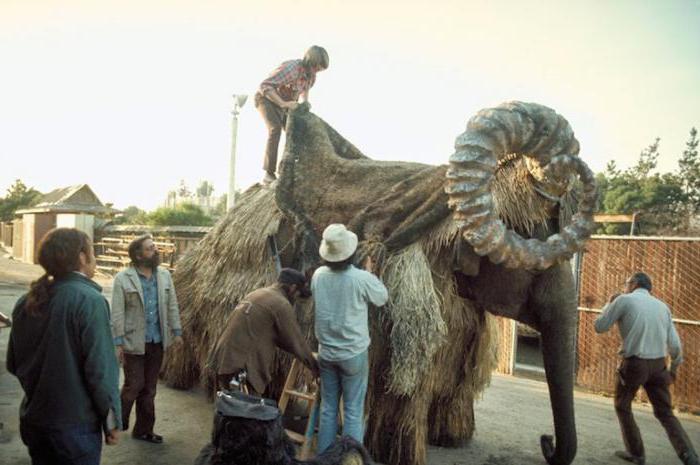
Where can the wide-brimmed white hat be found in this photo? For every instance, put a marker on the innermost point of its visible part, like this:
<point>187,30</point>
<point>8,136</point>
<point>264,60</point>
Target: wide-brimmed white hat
<point>338,243</point>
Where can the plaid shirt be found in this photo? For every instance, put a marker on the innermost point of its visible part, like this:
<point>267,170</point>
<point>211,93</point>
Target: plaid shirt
<point>290,79</point>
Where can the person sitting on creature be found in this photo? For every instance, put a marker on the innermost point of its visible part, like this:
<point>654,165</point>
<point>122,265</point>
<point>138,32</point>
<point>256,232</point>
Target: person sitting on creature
<point>280,92</point>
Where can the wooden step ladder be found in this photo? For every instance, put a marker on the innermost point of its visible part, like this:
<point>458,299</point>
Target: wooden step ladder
<point>308,392</point>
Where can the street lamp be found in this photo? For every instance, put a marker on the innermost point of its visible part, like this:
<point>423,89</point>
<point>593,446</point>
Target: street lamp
<point>238,102</point>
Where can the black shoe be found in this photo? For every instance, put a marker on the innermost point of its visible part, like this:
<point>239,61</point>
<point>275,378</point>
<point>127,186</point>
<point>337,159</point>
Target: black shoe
<point>690,458</point>
<point>149,437</point>
<point>624,455</point>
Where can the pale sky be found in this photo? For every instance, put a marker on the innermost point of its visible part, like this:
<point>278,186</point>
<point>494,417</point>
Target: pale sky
<point>132,96</point>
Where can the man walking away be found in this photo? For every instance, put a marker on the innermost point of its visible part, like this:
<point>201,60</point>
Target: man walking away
<point>61,350</point>
<point>341,296</point>
<point>145,321</point>
<point>648,334</point>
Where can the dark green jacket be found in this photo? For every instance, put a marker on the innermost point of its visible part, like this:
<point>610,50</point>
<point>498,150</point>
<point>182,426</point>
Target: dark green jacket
<point>65,358</point>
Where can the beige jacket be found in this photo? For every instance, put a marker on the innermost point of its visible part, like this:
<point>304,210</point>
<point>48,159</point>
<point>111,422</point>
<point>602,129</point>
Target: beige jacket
<point>128,314</point>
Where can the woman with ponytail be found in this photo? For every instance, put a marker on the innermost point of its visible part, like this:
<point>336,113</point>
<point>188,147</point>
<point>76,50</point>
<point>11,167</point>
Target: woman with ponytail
<point>61,350</point>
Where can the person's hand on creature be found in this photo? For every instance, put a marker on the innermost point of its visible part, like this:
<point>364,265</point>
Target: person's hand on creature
<point>177,340</point>
<point>368,263</point>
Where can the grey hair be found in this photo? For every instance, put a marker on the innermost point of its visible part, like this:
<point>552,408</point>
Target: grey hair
<point>641,280</point>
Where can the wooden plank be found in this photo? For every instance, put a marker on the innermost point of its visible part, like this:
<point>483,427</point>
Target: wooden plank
<point>302,395</point>
<point>296,437</point>
<point>607,218</point>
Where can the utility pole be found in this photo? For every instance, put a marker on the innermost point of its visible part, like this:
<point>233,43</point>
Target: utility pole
<point>238,102</point>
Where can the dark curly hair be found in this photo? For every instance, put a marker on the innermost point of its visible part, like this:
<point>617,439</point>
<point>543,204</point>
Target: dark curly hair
<point>59,254</point>
<point>135,247</point>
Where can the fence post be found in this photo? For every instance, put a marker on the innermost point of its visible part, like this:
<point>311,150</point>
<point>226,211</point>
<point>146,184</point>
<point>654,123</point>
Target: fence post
<point>578,260</point>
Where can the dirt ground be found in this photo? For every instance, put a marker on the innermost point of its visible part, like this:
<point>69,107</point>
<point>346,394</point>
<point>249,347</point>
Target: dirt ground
<point>510,417</point>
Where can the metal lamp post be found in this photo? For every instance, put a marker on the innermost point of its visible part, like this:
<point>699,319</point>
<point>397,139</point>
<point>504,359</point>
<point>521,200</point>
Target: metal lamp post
<point>238,102</point>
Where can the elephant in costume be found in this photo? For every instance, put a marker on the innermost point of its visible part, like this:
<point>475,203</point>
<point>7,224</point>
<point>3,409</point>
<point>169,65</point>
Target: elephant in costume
<point>489,234</point>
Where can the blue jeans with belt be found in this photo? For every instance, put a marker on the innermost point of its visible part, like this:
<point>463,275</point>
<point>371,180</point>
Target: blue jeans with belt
<point>349,379</point>
<point>64,445</point>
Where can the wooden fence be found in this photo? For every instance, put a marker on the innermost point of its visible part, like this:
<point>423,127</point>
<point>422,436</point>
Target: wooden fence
<point>6,234</point>
<point>173,242</point>
<point>674,267</point>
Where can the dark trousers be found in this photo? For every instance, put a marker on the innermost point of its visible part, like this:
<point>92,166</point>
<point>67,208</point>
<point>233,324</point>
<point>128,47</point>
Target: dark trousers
<point>652,375</point>
<point>275,118</point>
<point>65,445</point>
<point>140,381</point>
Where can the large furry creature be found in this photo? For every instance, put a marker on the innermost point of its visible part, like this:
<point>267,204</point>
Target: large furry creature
<point>489,234</point>
<point>249,432</point>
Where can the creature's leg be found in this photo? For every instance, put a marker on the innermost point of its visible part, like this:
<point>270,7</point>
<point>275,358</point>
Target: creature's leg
<point>461,368</point>
<point>451,421</point>
<point>397,430</point>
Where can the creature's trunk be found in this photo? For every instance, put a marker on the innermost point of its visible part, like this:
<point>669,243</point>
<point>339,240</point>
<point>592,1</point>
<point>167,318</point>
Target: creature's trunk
<point>558,352</point>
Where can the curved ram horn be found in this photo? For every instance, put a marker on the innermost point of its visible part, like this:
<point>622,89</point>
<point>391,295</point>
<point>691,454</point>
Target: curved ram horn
<point>523,128</point>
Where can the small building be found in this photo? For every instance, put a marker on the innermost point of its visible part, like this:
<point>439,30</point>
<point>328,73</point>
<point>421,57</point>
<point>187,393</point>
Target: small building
<point>69,207</point>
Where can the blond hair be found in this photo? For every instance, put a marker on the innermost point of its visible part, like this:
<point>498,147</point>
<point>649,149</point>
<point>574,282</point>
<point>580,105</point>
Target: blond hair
<point>316,56</point>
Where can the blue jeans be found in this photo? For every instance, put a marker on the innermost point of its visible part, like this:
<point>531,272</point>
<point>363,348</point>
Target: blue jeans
<point>349,379</point>
<point>66,445</point>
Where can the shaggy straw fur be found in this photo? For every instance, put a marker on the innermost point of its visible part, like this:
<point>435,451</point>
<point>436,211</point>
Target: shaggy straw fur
<point>432,351</point>
<point>231,261</point>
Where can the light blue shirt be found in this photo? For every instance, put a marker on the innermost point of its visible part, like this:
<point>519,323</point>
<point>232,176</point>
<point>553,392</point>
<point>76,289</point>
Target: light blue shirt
<point>150,306</point>
<point>645,325</point>
<point>340,300</point>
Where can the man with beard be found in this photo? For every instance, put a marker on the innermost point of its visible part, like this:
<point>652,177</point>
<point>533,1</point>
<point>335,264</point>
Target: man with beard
<point>145,321</point>
<point>262,321</point>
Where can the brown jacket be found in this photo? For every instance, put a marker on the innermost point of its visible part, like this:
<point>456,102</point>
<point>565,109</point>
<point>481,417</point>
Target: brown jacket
<point>262,321</point>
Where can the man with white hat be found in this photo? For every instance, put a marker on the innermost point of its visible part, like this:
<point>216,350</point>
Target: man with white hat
<point>342,293</point>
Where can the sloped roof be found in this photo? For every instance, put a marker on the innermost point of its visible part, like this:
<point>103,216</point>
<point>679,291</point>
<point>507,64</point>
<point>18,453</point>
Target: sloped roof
<point>72,199</point>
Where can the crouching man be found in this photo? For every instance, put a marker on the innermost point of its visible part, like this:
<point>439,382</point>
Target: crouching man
<point>263,321</point>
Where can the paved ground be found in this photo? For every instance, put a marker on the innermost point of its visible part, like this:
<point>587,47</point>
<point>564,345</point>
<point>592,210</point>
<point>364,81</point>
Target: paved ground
<point>510,417</point>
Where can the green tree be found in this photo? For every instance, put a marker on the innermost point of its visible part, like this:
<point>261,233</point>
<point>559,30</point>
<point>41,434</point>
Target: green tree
<point>220,209</point>
<point>659,198</point>
<point>185,214</point>
<point>131,215</point>
<point>647,162</point>
<point>18,196</point>
<point>689,172</point>
<point>205,189</point>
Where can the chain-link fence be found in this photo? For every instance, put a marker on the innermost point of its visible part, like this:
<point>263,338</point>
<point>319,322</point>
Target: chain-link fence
<point>674,267</point>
